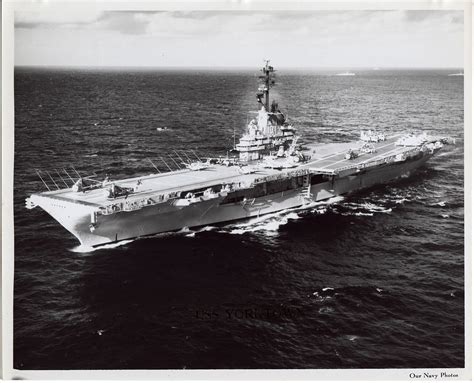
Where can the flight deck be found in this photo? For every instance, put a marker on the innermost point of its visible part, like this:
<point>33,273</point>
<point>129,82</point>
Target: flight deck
<point>324,159</point>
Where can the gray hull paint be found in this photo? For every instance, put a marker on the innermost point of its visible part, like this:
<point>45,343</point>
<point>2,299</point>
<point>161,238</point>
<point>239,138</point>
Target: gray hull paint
<point>166,217</point>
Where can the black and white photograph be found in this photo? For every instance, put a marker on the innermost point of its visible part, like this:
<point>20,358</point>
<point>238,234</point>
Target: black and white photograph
<point>253,187</point>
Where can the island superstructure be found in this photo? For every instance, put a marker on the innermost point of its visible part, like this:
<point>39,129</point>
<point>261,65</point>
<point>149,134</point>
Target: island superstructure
<point>272,172</point>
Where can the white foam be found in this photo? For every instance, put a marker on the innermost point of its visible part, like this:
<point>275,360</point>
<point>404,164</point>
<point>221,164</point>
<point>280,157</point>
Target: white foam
<point>191,233</point>
<point>330,201</point>
<point>269,227</point>
<point>352,205</point>
<point>367,208</point>
<point>293,216</point>
<point>270,223</point>
<point>372,207</point>
<point>89,249</point>
<point>207,228</point>
<point>274,225</point>
<point>82,249</point>
<point>401,200</point>
<point>327,288</point>
<point>238,231</point>
<point>319,210</point>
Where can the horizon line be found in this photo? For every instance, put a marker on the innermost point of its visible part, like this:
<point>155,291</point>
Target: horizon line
<point>217,67</point>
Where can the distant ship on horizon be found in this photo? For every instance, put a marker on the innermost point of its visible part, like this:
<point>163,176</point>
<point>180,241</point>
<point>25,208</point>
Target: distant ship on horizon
<point>456,74</point>
<point>346,74</point>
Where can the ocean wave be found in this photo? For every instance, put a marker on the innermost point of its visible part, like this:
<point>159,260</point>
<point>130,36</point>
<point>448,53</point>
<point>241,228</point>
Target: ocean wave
<point>362,208</point>
<point>324,293</point>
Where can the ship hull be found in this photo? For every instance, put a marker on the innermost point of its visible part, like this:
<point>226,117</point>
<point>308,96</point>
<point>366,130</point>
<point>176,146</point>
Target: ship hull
<point>167,217</point>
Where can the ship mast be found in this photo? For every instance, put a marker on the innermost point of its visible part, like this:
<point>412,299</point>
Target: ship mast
<point>264,89</point>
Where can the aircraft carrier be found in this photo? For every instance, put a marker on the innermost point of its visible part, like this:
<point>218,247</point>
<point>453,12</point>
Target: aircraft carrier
<point>269,172</point>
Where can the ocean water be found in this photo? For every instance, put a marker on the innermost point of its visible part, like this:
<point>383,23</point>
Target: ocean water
<point>370,280</point>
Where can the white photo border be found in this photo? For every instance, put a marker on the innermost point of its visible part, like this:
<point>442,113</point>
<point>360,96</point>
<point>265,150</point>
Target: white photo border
<point>8,372</point>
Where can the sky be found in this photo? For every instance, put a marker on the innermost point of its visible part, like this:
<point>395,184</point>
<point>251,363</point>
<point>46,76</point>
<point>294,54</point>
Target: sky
<point>293,39</point>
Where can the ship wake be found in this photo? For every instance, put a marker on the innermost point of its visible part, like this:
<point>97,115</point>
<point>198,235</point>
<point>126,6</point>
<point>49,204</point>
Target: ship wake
<point>269,224</point>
